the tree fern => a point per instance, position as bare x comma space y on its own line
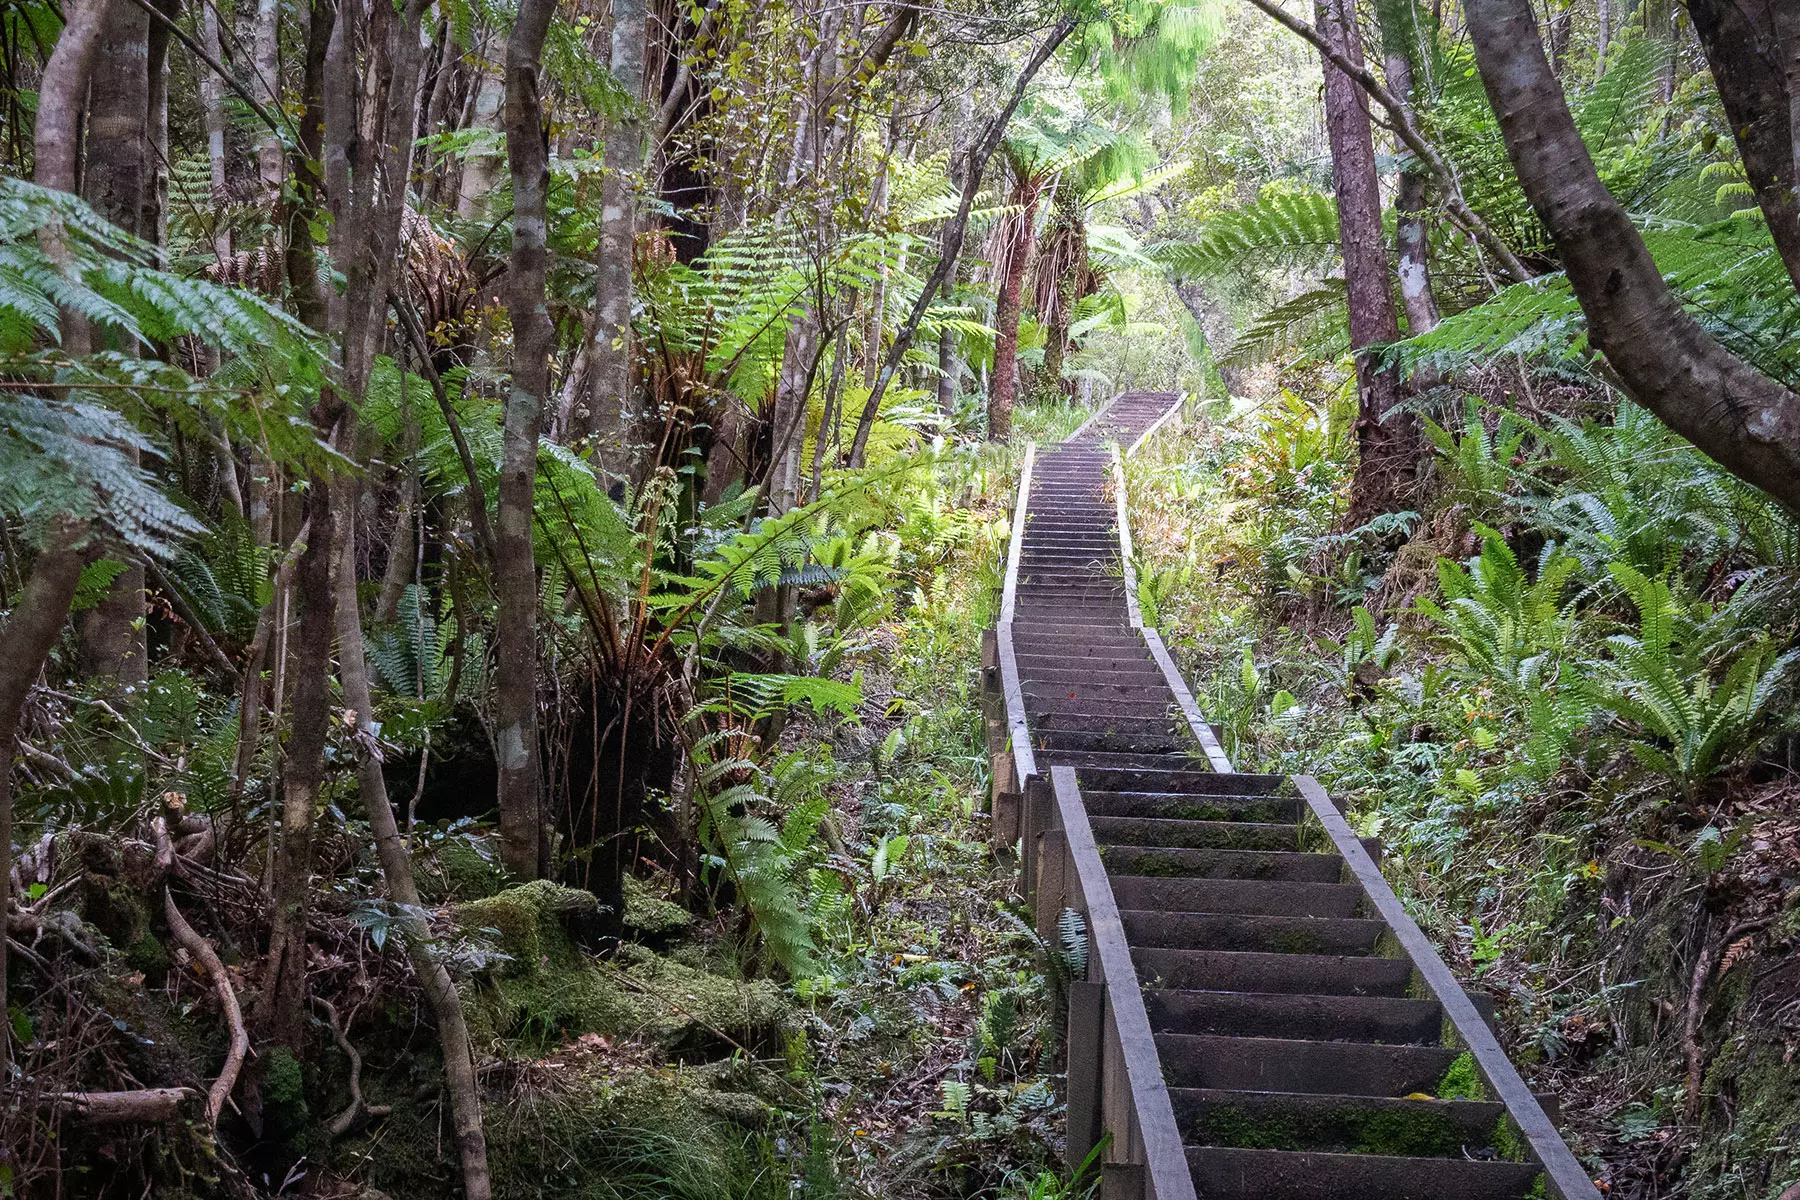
1282, 227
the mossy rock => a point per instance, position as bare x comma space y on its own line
547, 989
1763, 1125
649, 915
460, 870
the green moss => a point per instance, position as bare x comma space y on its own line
651, 915
287, 1119
547, 989
1752, 1148
148, 955
1420, 1129
1462, 1081
459, 870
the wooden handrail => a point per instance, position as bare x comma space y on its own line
1165, 662
1094, 416
1562, 1171
1181, 398
1126, 1083
1011, 692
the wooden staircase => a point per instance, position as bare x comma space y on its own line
1260, 1019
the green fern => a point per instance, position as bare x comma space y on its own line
1688, 725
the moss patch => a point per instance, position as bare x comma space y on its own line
649, 915
1462, 1081
547, 988
1420, 1129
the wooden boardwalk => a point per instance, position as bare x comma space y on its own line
1260, 1019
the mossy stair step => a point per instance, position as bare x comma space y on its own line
1419, 1128
1386, 1020
1192, 806
1225, 1173
1176, 898
1174, 862
1195, 835
1262, 1064
1269, 934
1295, 974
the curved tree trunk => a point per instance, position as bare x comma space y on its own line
1666, 362
1756, 66
524, 842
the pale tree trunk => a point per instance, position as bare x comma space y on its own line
481, 171
1602, 36
1757, 77
212, 112
1387, 449
1398, 28
42, 607
524, 840
265, 85
1665, 361
612, 413
117, 182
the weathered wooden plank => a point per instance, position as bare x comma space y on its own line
1562, 1171
1150, 1129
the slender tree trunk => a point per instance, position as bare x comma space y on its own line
1750, 66
303, 770
265, 85
1665, 361
212, 113
1387, 446
1602, 36
1006, 309
611, 407
481, 171
117, 183
524, 842
42, 609
422, 950
1398, 25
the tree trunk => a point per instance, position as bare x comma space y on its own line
117, 183
481, 171
265, 85
212, 111
1387, 446
303, 770
1006, 308
422, 951
1398, 40
1665, 361
524, 842
611, 411
1744, 48
42, 608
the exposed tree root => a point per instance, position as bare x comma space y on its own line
342, 1123
203, 953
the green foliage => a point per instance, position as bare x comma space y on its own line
1281, 227
1691, 722
1503, 625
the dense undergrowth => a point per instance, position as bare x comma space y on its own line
1562, 691
843, 1003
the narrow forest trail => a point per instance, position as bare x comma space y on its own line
1294, 1035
